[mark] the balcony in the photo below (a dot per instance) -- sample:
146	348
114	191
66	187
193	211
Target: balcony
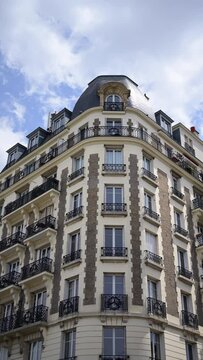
76	174
199	242
181	233
40	225
37	267
113	106
73	256
68	306
189	319
115	302
11	278
153	260
36	314
151	216
149	177
114	357
114	254
75	214
114	169
14	239
189	149
185	275
114	209
156	307
50	184
177	195
197	208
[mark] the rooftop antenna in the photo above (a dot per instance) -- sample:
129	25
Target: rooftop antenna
49	121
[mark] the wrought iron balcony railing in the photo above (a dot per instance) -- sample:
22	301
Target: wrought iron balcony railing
197	203
178	229
177	193
114	251
72	256
189	149
152	214
40	225
11	278
21	318
75	212
76	173
114	302
184	272
149	174
16	238
51	183
114	357
68	306
199	238
114	207
114	168
97	131
189	319
153	257
37	267
156	307
113	106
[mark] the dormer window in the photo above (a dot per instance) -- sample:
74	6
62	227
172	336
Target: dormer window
33	142
113	103
165	125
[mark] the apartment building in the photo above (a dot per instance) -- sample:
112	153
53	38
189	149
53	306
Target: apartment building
102	234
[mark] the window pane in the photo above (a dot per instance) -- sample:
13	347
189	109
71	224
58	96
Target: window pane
109	195
151	242
118	237
108	237
118	195
108	284
109	156
119	284
118	157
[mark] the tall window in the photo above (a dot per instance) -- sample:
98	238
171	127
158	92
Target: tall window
17	227
177	216
77	200
114	156
113	126
114	194
14	266
113	284
186	302
78	162
147	163
182	258
113	237
71	288
35	350
42	253
155	346
152	289
148	201
114	341
70	341
190	351
40	298
3	353
74	242
113	98
151	241
49	210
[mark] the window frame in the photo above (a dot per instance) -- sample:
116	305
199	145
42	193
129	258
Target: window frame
114	337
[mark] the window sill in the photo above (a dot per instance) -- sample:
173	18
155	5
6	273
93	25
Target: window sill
181	237
74	219
185	279
151	220
153	264
111	259
149	180
179	200
77	179
72	263
114	213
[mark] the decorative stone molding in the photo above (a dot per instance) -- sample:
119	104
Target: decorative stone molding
113	88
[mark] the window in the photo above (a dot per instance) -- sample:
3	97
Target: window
77	200
176	182
182	259
143	132
151	241
177	216
40	298
190	351
155	346
147	163
114	194
49	210
71	288
114	341
14	266
35	350
113	98
17	228
74	242
165	125
70	341
7	316
148	201
185	300
168	150
3	353
114	156
152	289
113	284
113	237
33	141
199	228
114	126
42	253
8	309
78	162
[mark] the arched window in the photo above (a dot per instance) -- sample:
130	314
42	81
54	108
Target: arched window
113	103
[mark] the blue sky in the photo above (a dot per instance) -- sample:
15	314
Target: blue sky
50	50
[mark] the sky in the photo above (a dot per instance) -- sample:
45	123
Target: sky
51	49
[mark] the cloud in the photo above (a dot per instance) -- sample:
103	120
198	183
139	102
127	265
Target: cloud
8	137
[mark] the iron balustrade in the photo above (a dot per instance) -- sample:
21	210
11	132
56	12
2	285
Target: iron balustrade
117	168
199	238
153	257
114	251
126	131
177	193
40	225
149	174
7	323
75	212
72	256
184	272
178	229
114	357
114	106
36	267
156	307
11	278
16	238
151	213
198	203
189	319
68	306
76	173
51	183
189	149
114	302
114	207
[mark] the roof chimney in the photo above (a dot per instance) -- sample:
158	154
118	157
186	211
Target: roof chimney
194	131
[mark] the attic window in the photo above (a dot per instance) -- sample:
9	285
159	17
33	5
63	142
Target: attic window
113	103
165	125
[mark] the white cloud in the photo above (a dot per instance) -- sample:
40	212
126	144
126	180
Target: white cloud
8	138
